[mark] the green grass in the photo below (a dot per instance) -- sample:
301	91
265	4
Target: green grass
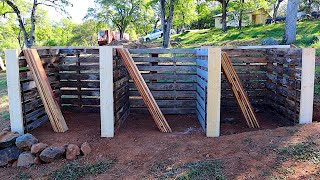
202	170
308	33
305	151
75	171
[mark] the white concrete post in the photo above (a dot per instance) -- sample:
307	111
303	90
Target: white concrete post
14	91
214	92
106	91
307	86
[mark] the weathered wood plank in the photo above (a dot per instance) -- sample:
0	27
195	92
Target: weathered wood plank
164	59
166	110
169	69
162	51
135	103
75	76
202	73
169	94
163	86
171	77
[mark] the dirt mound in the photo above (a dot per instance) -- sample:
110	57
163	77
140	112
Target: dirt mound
128	44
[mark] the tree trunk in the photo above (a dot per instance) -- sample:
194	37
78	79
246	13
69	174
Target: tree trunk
155	24
224	15
275	10
2	66
28	38
240	14
166	22
121	30
291	22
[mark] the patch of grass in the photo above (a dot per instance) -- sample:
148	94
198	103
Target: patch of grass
249	141
23	176
308	33
3	83
158	168
305	151
202	170
75	171
5	115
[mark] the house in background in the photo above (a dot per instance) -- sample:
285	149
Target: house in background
250	17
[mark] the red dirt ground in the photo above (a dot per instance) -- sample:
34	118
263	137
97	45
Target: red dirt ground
138	145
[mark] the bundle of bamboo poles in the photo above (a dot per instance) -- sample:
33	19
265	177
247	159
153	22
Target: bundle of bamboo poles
45	91
144	91
239	92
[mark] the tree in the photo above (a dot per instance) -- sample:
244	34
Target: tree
184	14
224	4
118	13
148	19
276	7
307	5
291	21
28	33
205	10
166	20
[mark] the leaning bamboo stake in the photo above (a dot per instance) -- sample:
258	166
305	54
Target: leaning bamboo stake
144	91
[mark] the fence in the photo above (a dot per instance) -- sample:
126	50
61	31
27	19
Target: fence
183	81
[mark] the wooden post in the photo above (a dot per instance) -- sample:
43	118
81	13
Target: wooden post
106	91
307	86
14	91
214	92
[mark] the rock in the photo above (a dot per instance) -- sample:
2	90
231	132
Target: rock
7	139
37	160
26	159
37	148
14	164
50	154
85	148
230	120
72	152
25	141
6	129
269	41
8	155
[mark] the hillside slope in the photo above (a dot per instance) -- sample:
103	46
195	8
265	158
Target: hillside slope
307	35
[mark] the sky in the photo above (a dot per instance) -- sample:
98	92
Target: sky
77	12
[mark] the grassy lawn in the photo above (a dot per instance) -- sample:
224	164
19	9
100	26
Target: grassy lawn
308	33
4	114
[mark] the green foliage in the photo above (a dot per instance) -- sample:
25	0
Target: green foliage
202	170
75	171
118	13
184	13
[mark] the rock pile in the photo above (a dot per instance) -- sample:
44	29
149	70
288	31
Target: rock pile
26	150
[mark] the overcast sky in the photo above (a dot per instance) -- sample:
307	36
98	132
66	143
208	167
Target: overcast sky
77	12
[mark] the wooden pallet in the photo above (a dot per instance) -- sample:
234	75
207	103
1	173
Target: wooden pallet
238	91
47	96
144	91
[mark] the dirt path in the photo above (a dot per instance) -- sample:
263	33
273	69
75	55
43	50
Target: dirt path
142	152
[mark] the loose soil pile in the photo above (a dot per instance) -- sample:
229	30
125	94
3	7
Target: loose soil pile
140	151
